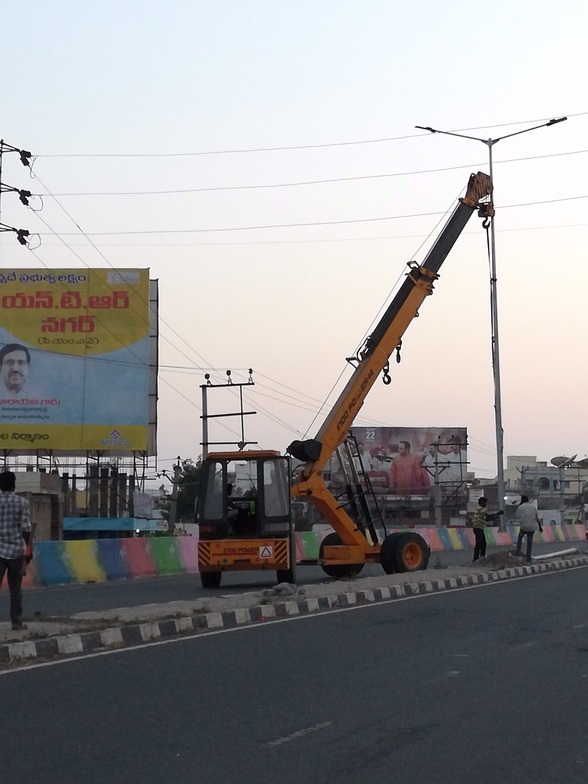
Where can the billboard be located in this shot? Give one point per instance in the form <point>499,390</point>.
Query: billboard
<point>414,461</point>
<point>78,361</point>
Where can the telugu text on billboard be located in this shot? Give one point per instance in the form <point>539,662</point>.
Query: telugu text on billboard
<point>74,360</point>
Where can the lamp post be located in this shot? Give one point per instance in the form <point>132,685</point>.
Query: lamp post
<point>493,297</point>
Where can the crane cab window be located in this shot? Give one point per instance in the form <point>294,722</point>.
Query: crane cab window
<point>241,498</point>
<point>276,490</point>
<point>212,508</point>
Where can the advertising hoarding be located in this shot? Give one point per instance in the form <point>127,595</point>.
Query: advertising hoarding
<point>413,461</point>
<point>78,361</point>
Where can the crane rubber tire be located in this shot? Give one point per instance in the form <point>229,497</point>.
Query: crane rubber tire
<point>412,552</point>
<point>388,552</point>
<point>211,579</point>
<point>340,571</point>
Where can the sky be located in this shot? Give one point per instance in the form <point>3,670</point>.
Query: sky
<point>261,159</point>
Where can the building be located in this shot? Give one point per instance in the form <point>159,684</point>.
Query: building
<point>561,487</point>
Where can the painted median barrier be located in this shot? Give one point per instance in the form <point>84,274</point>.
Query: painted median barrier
<point>165,554</point>
<point>98,560</point>
<point>466,536</point>
<point>308,543</point>
<point>188,550</point>
<point>445,538</point>
<point>433,539</point>
<point>456,542</point>
<point>50,563</point>
<point>111,556</point>
<point>558,532</point>
<point>82,559</point>
<point>138,557</point>
<point>502,538</point>
<point>571,532</point>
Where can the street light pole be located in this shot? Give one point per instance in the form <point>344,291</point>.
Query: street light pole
<point>494,298</point>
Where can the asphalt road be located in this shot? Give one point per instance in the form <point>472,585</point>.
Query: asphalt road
<point>485,685</point>
<point>63,601</point>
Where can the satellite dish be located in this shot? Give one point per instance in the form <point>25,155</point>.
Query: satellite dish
<point>562,462</point>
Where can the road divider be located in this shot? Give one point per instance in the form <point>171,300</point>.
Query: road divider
<point>99,560</point>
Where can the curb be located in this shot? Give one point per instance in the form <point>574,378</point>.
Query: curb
<point>134,634</point>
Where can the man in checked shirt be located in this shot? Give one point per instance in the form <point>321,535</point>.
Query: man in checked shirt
<point>15,533</point>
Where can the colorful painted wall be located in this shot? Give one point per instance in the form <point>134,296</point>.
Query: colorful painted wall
<point>99,560</point>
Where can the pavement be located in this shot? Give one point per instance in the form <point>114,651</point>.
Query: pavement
<point>89,632</point>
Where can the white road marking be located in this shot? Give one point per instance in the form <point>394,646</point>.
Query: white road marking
<point>450,674</point>
<point>298,734</point>
<point>457,655</point>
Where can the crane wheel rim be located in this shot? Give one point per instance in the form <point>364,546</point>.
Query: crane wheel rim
<point>412,554</point>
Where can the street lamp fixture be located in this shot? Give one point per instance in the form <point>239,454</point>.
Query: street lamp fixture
<point>493,295</point>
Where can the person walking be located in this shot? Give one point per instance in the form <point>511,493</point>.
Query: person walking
<point>528,519</point>
<point>479,523</point>
<point>15,533</point>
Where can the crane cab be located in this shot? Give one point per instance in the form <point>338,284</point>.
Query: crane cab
<point>244,516</point>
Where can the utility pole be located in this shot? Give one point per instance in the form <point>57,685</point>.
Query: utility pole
<point>241,413</point>
<point>437,491</point>
<point>494,298</point>
<point>24,195</point>
<point>173,510</point>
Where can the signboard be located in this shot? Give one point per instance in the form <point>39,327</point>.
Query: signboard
<point>76,360</point>
<point>413,461</point>
<point>143,504</point>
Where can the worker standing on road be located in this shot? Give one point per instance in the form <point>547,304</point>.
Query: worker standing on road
<point>479,523</point>
<point>15,533</point>
<point>528,519</point>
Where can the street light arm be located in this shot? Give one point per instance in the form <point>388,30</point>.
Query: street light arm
<point>490,142</point>
<point>534,128</point>
<point>450,133</point>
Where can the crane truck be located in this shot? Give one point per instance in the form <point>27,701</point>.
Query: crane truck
<point>247,525</point>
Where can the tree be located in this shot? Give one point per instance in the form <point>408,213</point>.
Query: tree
<point>188,485</point>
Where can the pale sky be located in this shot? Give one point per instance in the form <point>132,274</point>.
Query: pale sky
<point>192,98</point>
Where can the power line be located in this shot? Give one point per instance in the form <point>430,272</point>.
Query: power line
<point>301,224</point>
<point>381,238</point>
<point>288,147</point>
<point>148,304</point>
<point>304,183</point>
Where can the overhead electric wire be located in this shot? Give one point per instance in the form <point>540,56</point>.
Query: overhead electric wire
<point>294,185</point>
<point>310,224</point>
<point>148,303</point>
<point>177,391</point>
<point>304,183</point>
<point>381,238</point>
<point>291,147</point>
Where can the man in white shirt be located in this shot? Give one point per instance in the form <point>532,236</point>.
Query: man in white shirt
<point>457,465</point>
<point>436,463</point>
<point>528,519</point>
<point>362,461</point>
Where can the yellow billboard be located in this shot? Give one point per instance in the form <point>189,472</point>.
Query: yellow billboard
<point>75,360</point>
